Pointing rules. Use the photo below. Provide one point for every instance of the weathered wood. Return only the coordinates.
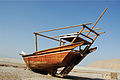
(60, 48)
(49, 37)
(60, 41)
(97, 20)
(78, 39)
(64, 27)
(47, 62)
(94, 34)
(94, 38)
(36, 42)
(86, 36)
(76, 60)
(77, 35)
(63, 56)
(91, 30)
(63, 44)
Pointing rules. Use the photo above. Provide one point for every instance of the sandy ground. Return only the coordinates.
(113, 64)
(18, 72)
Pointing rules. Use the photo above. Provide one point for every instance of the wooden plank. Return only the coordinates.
(64, 27)
(97, 20)
(75, 33)
(94, 34)
(46, 62)
(49, 37)
(78, 39)
(60, 48)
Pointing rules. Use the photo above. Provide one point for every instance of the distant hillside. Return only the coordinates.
(107, 64)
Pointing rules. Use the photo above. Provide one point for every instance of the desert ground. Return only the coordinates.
(14, 69)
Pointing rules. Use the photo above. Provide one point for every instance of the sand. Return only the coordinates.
(14, 69)
(113, 64)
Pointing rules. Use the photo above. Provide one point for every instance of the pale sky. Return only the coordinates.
(19, 19)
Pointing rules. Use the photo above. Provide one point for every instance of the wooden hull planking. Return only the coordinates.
(50, 61)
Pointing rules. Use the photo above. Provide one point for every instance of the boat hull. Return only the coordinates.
(50, 61)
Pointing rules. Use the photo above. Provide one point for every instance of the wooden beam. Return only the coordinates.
(98, 20)
(86, 36)
(91, 30)
(36, 42)
(64, 27)
(48, 37)
(94, 39)
(60, 48)
(94, 34)
(76, 33)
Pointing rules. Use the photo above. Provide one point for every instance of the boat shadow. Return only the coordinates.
(79, 78)
(71, 77)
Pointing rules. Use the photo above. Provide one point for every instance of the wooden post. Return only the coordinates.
(63, 43)
(60, 41)
(79, 48)
(48, 37)
(36, 42)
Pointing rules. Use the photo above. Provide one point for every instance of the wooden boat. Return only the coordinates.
(49, 60)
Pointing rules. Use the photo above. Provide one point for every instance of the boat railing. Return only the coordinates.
(38, 33)
(76, 38)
